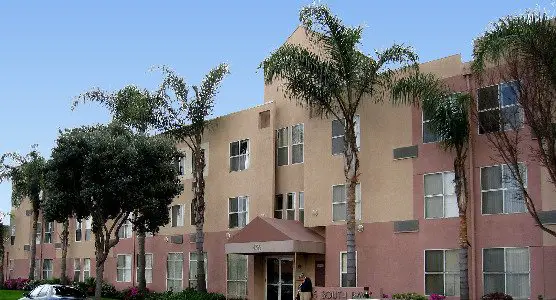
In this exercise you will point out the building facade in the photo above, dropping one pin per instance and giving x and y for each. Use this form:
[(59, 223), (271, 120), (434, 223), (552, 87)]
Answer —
[(276, 208)]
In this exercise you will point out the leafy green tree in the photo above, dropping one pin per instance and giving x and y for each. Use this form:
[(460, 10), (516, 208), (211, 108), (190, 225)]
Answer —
[(522, 49), (27, 176), (449, 120), (188, 125), (141, 111), (336, 79), (98, 171)]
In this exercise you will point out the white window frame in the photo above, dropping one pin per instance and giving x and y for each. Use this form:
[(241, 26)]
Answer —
[(126, 231), (125, 268), (357, 132), (505, 263), (246, 211), (302, 143), (48, 229), (278, 147), (356, 268), (425, 196), (436, 273), (247, 163), (293, 209), (147, 268), (205, 255), (301, 207), (77, 268), (86, 268), (38, 233), (503, 189), (357, 218), (88, 231), (499, 108), (182, 161), (179, 222), (47, 273), (78, 227), (174, 279), (238, 280)]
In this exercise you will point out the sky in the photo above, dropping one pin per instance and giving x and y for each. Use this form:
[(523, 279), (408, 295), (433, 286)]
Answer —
[(51, 51)]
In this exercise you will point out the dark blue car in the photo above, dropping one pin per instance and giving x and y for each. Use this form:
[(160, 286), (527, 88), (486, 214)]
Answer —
[(54, 292)]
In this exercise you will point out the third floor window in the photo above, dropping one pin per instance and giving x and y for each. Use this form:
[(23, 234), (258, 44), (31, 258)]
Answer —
[(499, 108), (286, 138), (338, 133)]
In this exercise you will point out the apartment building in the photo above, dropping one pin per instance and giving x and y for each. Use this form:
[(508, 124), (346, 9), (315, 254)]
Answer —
[(276, 209)]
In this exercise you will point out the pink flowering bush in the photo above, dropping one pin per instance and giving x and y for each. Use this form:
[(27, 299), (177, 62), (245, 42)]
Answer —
[(15, 284), (436, 297), (133, 293)]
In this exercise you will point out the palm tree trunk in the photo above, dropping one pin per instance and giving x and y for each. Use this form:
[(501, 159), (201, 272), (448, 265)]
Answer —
[(199, 192), (462, 194), (63, 265), (2, 263), (33, 244), (351, 167), (141, 261)]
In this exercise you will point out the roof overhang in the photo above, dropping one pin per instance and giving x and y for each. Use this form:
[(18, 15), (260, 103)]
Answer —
[(289, 246)]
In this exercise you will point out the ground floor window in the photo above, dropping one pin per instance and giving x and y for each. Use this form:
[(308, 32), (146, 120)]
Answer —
[(442, 272), (123, 268), (174, 272), (47, 269), (506, 270), (76, 269), (86, 268), (148, 268), (343, 269), (237, 276), (193, 268)]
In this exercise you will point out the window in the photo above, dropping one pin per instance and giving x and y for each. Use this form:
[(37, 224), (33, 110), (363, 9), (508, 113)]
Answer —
[(238, 212), (278, 206), (498, 108), (193, 268), (148, 268), (11, 268), (123, 268), (47, 269), (174, 272), (339, 204), (126, 230), (428, 135), (237, 276), (192, 213), (302, 207), (181, 165), (38, 233), (343, 269), (500, 190), (442, 272), (338, 133), (86, 268), (76, 269), (88, 228), (239, 155), (440, 197), (12, 236), (282, 146), (78, 226), (290, 206), (176, 215), (48, 229), (297, 143), (506, 270)]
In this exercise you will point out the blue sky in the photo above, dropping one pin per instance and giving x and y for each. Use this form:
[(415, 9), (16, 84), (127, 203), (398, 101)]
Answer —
[(50, 51)]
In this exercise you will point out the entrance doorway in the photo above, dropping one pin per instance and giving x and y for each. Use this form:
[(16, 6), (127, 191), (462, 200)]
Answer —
[(279, 278)]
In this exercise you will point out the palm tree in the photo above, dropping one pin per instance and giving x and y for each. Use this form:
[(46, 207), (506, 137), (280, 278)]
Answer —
[(4, 232), (335, 82), (27, 176), (523, 49), (188, 126), (449, 120)]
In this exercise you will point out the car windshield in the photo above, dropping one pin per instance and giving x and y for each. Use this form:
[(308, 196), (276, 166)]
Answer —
[(67, 291)]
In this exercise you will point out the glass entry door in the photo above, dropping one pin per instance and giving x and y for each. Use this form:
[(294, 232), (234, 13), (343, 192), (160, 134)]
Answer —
[(279, 278)]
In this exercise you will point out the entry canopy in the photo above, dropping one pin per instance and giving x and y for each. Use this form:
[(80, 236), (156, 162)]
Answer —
[(269, 235)]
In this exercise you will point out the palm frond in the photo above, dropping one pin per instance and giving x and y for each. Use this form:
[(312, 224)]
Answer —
[(448, 118), (412, 89)]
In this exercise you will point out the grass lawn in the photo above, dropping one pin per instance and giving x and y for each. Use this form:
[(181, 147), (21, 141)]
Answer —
[(10, 294)]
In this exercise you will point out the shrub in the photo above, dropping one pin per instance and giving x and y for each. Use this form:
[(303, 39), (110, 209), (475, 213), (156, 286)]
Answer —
[(436, 297), (497, 296), (189, 294), (133, 293), (88, 287), (409, 296), (15, 284)]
